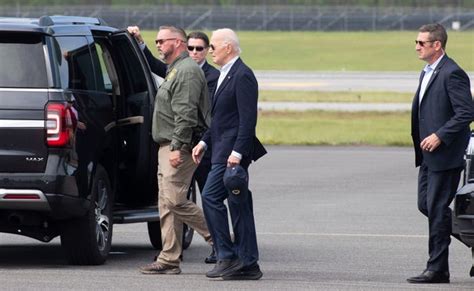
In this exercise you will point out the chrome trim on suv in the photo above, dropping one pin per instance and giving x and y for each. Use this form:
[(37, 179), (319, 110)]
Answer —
[(46, 90), (19, 123)]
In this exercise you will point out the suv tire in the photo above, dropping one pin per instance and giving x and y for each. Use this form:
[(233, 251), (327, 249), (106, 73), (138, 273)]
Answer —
[(87, 240)]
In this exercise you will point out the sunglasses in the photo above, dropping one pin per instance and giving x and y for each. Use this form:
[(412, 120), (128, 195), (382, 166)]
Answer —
[(161, 41), (422, 42), (197, 48), (213, 47)]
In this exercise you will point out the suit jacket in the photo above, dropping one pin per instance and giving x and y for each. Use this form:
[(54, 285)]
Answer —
[(234, 117), (212, 75), (446, 109)]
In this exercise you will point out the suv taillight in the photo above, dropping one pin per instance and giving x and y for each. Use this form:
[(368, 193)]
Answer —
[(59, 124)]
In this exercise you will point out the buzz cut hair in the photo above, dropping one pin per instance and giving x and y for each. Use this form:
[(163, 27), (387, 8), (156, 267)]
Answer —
[(175, 30)]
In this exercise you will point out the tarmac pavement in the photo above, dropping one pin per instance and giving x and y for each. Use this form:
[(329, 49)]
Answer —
[(328, 218)]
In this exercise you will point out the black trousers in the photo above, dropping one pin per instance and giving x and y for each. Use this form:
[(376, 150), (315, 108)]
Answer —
[(436, 190)]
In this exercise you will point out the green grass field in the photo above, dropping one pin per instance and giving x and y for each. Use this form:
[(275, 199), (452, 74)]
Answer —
[(338, 51), (334, 128), (341, 51), (318, 96)]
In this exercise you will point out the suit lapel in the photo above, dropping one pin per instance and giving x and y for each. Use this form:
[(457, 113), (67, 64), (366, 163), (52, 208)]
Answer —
[(226, 81), (435, 74), (205, 67), (417, 97)]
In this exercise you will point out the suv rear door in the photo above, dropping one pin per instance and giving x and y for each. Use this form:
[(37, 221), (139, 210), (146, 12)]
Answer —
[(24, 91)]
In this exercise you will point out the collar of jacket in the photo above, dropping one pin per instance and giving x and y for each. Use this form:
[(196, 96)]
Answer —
[(181, 56)]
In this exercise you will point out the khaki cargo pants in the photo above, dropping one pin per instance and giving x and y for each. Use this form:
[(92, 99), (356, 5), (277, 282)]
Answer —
[(175, 209)]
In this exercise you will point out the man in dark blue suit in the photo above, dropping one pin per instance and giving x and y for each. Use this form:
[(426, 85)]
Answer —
[(233, 142), (441, 114)]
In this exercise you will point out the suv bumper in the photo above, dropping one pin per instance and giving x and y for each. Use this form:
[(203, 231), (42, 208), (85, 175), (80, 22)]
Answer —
[(55, 206), (23, 199)]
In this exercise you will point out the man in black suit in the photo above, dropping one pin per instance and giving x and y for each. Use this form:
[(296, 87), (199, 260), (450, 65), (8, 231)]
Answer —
[(198, 47), (441, 113), (233, 142)]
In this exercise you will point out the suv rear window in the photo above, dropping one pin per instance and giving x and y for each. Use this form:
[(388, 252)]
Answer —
[(22, 58), (76, 68)]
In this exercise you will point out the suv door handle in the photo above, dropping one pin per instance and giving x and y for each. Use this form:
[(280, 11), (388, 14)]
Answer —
[(130, 120)]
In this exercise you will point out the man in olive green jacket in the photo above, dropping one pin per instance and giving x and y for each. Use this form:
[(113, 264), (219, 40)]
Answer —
[(181, 113)]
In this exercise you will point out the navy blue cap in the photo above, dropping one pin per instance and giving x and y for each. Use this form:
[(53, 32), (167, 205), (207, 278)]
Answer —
[(236, 180)]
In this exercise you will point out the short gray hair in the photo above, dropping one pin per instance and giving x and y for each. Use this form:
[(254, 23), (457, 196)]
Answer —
[(229, 36), (176, 30), (437, 32)]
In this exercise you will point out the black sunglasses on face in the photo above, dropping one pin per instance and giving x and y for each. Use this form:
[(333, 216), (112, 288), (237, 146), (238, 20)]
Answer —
[(422, 42), (213, 47), (162, 41), (197, 48)]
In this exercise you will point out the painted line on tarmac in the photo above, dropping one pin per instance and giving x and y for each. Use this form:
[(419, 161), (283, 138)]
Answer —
[(364, 235), (358, 285)]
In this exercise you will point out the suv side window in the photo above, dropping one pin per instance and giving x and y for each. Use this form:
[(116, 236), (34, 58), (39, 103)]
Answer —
[(134, 78), (76, 69), (107, 80)]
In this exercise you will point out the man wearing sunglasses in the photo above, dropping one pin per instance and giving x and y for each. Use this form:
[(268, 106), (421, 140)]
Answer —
[(198, 48), (233, 141), (181, 108), (441, 114)]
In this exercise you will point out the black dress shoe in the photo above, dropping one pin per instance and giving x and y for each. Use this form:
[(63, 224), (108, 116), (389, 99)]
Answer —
[(430, 277), (224, 267), (212, 258), (251, 272)]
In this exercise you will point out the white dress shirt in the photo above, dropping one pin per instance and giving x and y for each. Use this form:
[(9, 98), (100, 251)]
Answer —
[(223, 74), (429, 69), (224, 71)]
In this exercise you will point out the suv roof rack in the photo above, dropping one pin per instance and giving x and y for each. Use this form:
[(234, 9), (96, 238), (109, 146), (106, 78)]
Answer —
[(17, 20), (61, 19)]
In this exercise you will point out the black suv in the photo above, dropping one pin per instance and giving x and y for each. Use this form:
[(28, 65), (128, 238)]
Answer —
[(76, 153), (463, 212)]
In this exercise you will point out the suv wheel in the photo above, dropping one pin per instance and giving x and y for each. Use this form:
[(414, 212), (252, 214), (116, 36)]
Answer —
[(87, 240)]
